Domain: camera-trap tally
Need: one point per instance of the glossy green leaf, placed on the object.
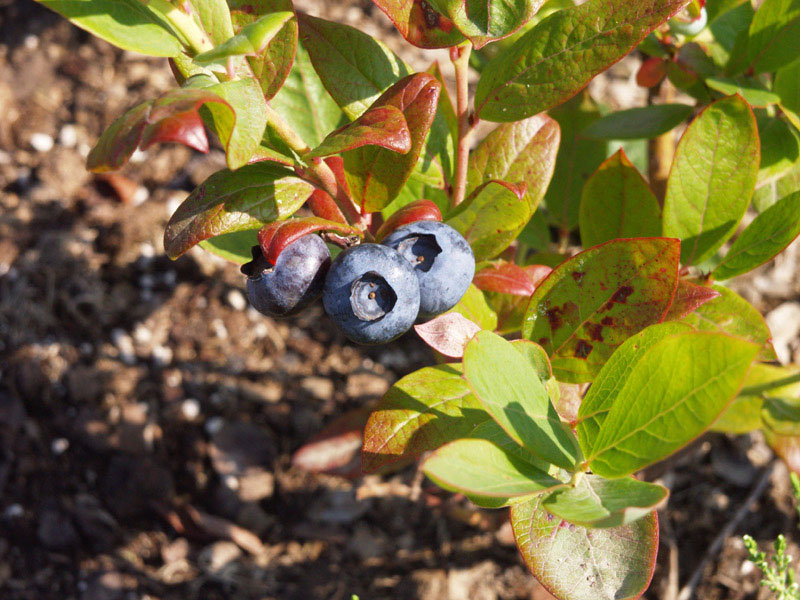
(735, 316)
(618, 203)
(252, 40)
(305, 104)
(787, 86)
(500, 474)
(766, 237)
(712, 179)
(483, 22)
(272, 65)
(521, 152)
(383, 126)
(730, 30)
(230, 201)
(578, 158)
(559, 56)
(774, 35)
(639, 123)
(420, 23)
(602, 503)
(375, 176)
(781, 416)
(492, 217)
(755, 93)
(354, 67)
(594, 301)
(509, 388)
(421, 412)
(606, 388)
(474, 307)
(214, 17)
(673, 391)
(575, 563)
(235, 247)
(127, 24)
(771, 192)
(780, 149)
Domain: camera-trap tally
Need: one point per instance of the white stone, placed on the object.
(68, 136)
(190, 409)
(236, 299)
(42, 142)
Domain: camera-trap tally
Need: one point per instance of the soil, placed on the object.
(149, 419)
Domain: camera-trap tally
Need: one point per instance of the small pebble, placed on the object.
(124, 344)
(190, 409)
(236, 299)
(31, 42)
(14, 511)
(141, 334)
(162, 355)
(68, 136)
(59, 446)
(138, 156)
(214, 424)
(42, 142)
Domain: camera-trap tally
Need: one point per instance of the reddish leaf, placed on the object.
(787, 447)
(420, 23)
(337, 448)
(448, 334)
(419, 210)
(275, 237)
(323, 206)
(382, 126)
(688, 298)
(507, 278)
(593, 302)
(374, 175)
(652, 72)
(172, 117)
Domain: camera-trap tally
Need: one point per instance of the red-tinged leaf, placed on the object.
(560, 55)
(576, 563)
(483, 22)
(520, 152)
(688, 298)
(448, 334)
(375, 176)
(593, 302)
(652, 72)
(275, 237)
(323, 206)
(383, 126)
(419, 210)
(420, 23)
(230, 201)
(507, 278)
(421, 412)
(172, 117)
(337, 448)
(271, 66)
(263, 153)
(787, 447)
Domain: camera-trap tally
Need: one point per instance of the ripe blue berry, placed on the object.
(372, 294)
(294, 282)
(442, 259)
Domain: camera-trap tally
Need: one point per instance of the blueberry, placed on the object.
(685, 25)
(442, 259)
(372, 294)
(293, 282)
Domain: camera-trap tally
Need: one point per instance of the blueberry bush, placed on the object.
(578, 309)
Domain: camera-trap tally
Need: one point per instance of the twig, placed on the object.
(688, 590)
(459, 55)
(671, 593)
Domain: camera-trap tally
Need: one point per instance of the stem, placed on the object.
(757, 390)
(184, 24)
(459, 55)
(662, 148)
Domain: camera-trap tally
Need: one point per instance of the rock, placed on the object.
(367, 543)
(236, 300)
(784, 323)
(56, 531)
(175, 551)
(131, 483)
(110, 586)
(365, 384)
(320, 388)
(237, 447)
(256, 485)
(95, 524)
(474, 583)
(214, 557)
(42, 142)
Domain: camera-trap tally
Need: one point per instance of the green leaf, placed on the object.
(127, 24)
(780, 148)
(559, 56)
(305, 104)
(578, 158)
(421, 412)
(730, 30)
(787, 86)
(618, 203)
(354, 67)
(214, 17)
(781, 416)
(606, 388)
(673, 392)
(602, 503)
(773, 191)
(575, 563)
(420, 23)
(712, 179)
(751, 90)
(498, 475)
(375, 176)
(492, 217)
(272, 65)
(594, 301)
(762, 240)
(483, 22)
(474, 307)
(383, 126)
(733, 315)
(521, 152)
(639, 123)
(774, 35)
(252, 40)
(510, 390)
(240, 132)
(235, 247)
(230, 201)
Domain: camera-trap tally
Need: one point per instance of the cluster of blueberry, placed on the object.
(373, 292)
